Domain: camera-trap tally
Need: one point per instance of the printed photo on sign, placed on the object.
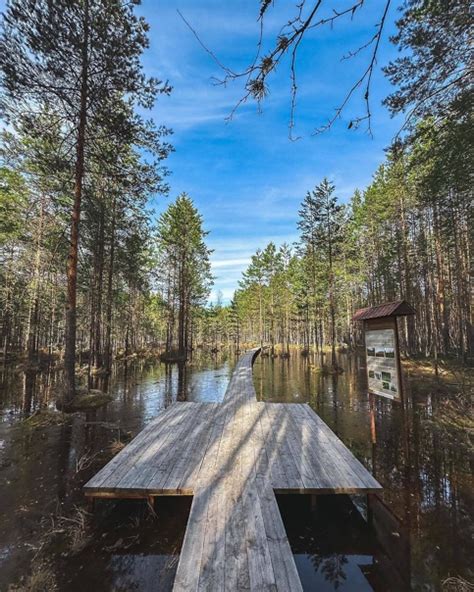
(382, 369)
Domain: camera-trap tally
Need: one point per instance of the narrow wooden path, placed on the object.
(233, 457)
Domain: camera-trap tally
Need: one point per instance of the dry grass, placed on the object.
(454, 387)
(453, 377)
(456, 424)
(74, 530)
(44, 418)
(42, 579)
(116, 446)
(172, 562)
(85, 461)
(457, 584)
(93, 399)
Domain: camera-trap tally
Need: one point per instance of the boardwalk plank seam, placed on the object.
(232, 457)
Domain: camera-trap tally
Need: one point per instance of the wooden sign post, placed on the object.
(382, 349)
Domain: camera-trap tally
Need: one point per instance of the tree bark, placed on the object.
(71, 267)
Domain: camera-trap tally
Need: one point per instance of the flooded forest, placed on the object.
(114, 308)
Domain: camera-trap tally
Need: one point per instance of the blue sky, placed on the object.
(245, 176)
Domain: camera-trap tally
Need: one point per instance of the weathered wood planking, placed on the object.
(232, 457)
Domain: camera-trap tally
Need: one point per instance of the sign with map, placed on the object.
(382, 362)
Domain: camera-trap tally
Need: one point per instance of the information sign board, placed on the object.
(381, 349)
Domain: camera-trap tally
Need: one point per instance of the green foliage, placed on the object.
(13, 202)
(182, 250)
(184, 269)
(434, 75)
(407, 236)
(73, 92)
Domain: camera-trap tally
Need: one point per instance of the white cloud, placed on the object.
(246, 178)
(229, 263)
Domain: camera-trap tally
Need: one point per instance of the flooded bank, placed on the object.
(423, 519)
(421, 530)
(45, 529)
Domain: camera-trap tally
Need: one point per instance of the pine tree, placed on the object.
(320, 225)
(80, 58)
(185, 271)
(254, 276)
(434, 77)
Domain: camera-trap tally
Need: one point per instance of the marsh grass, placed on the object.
(43, 579)
(457, 584)
(43, 418)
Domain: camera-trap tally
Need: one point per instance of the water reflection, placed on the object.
(424, 468)
(131, 550)
(333, 547)
(42, 471)
(423, 523)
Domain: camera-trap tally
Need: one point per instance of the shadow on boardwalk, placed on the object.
(232, 457)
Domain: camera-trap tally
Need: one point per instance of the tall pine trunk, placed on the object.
(71, 267)
(97, 358)
(182, 312)
(110, 293)
(33, 315)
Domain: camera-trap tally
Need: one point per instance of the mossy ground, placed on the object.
(45, 418)
(92, 399)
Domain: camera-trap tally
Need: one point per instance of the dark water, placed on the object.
(422, 527)
(42, 471)
(423, 523)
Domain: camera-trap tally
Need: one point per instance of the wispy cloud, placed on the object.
(246, 177)
(229, 263)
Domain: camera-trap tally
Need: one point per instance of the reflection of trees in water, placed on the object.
(35, 389)
(335, 403)
(423, 465)
(331, 567)
(182, 382)
(425, 472)
(168, 385)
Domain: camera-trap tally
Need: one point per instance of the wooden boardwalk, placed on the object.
(233, 457)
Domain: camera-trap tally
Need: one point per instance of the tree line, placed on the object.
(79, 162)
(408, 235)
(86, 273)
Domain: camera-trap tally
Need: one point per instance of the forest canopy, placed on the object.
(88, 272)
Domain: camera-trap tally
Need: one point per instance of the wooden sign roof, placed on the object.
(398, 308)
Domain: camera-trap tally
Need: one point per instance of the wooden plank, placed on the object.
(191, 558)
(293, 479)
(284, 567)
(262, 576)
(128, 452)
(352, 476)
(309, 451)
(157, 457)
(119, 465)
(213, 554)
(160, 467)
(308, 469)
(275, 469)
(232, 456)
(189, 566)
(191, 449)
(236, 564)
